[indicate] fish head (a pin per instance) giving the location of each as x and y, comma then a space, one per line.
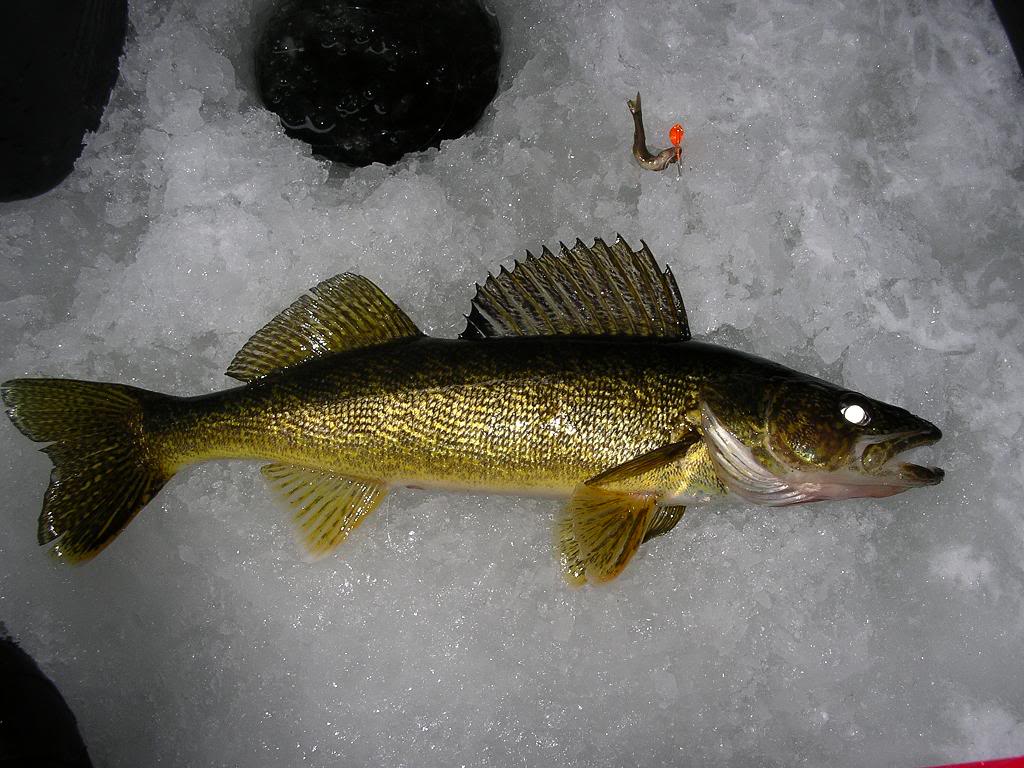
796, 439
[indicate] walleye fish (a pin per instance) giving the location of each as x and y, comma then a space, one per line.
575, 377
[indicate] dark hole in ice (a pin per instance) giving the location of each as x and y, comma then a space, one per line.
364, 84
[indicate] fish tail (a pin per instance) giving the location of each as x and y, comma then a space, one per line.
104, 468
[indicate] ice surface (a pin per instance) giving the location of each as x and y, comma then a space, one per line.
850, 204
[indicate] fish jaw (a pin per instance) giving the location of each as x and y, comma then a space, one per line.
771, 484
879, 456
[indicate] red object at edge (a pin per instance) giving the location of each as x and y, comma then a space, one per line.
1006, 762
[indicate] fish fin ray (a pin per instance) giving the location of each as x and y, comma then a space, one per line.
325, 507
592, 291
662, 521
344, 312
599, 532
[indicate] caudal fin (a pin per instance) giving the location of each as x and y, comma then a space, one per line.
102, 472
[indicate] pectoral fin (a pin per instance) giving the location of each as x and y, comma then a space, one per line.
325, 507
646, 463
599, 533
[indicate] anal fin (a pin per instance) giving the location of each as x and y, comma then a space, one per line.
325, 507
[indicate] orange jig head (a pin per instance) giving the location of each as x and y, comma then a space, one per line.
675, 135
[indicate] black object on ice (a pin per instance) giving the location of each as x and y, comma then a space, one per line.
1011, 13
36, 727
59, 61
369, 82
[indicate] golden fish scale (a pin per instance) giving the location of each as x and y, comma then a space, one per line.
533, 414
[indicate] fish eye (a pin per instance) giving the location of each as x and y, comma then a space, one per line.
856, 414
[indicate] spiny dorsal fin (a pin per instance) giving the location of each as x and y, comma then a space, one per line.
595, 291
325, 507
344, 312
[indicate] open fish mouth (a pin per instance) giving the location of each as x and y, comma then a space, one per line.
880, 458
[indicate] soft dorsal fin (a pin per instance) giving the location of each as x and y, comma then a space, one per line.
585, 291
344, 312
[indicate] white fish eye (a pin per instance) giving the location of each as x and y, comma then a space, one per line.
856, 414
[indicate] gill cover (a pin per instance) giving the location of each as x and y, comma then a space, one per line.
742, 471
